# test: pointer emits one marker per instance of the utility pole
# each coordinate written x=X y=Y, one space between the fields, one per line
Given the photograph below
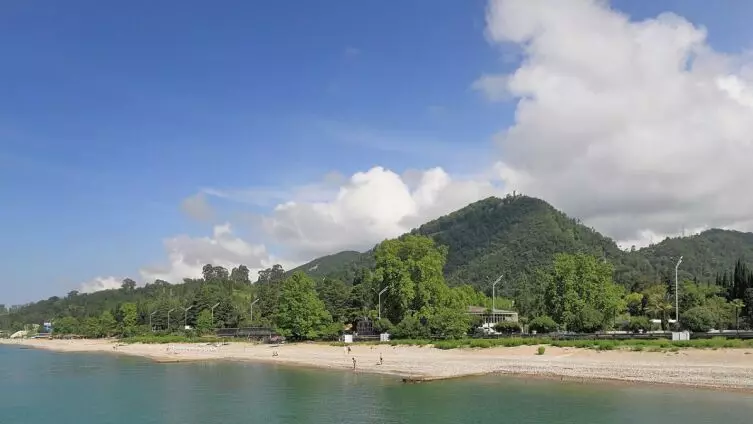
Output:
x=168 y=318
x=380 y=300
x=185 y=319
x=252 y=308
x=494 y=293
x=151 y=327
x=212 y=309
x=677 y=310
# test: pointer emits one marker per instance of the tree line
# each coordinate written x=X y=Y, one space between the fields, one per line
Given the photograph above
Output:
x=404 y=292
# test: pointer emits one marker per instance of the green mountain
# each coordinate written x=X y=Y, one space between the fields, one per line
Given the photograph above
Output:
x=518 y=235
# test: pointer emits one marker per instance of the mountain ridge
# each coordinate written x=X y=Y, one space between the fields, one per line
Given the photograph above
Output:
x=516 y=235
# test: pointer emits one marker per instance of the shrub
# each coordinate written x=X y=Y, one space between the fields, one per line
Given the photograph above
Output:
x=411 y=328
x=698 y=319
x=507 y=327
x=540 y=350
x=383 y=325
x=639 y=323
x=543 y=324
x=588 y=320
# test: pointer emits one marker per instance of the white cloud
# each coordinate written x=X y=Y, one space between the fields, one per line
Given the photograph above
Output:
x=635 y=127
x=354 y=213
x=372 y=206
x=493 y=86
x=196 y=207
x=187 y=255
x=100 y=283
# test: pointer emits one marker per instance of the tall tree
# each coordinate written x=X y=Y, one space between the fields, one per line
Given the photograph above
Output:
x=580 y=293
x=410 y=269
x=239 y=275
x=301 y=314
x=128 y=285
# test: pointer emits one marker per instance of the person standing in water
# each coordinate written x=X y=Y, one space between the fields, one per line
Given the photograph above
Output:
x=354 y=363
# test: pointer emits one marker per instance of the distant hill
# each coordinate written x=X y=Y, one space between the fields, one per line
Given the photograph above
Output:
x=341 y=266
x=517 y=235
x=704 y=255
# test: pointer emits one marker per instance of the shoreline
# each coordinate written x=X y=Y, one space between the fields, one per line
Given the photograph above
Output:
x=722 y=369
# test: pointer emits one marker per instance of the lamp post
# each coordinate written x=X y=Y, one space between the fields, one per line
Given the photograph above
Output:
x=185 y=317
x=252 y=308
x=212 y=309
x=677 y=310
x=380 y=300
x=168 y=318
x=494 y=294
x=151 y=327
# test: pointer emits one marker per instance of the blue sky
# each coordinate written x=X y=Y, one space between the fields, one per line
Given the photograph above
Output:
x=112 y=114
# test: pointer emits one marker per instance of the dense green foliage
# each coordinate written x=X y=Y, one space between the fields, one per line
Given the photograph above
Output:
x=518 y=236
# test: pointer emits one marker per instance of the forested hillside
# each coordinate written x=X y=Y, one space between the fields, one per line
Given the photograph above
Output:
x=518 y=235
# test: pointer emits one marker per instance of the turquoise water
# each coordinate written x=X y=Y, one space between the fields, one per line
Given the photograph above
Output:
x=39 y=387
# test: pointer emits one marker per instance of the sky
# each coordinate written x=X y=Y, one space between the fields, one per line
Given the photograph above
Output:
x=145 y=139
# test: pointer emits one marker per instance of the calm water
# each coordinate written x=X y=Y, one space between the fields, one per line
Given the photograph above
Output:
x=38 y=387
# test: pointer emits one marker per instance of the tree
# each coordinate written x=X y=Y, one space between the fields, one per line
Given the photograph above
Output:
x=301 y=314
x=543 y=324
x=204 y=321
x=107 y=324
x=128 y=285
x=239 y=275
x=411 y=269
x=699 y=319
x=335 y=295
x=91 y=328
x=66 y=325
x=130 y=317
x=580 y=293
x=657 y=304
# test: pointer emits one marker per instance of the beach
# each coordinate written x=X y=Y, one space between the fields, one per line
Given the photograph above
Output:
x=730 y=369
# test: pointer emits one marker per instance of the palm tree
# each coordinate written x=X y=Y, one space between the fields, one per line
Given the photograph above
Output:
x=658 y=304
x=738 y=305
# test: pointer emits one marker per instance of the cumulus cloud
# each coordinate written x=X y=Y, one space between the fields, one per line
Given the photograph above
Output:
x=637 y=127
x=370 y=207
x=187 y=255
x=100 y=283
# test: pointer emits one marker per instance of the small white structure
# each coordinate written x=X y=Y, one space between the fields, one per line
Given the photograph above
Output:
x=348 y=338
x=384 y=337
x=680 y=335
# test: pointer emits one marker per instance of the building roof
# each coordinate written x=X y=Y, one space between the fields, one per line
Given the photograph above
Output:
x=484 y=310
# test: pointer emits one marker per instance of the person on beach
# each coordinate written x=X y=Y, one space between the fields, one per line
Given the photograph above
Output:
x=354 y=363
x=348 y=350
x=381 y=361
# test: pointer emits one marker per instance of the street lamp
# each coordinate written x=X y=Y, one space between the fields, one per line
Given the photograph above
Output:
x=380 y=300
x=151 y=327
x=185 y=318
x=168 y=318
x=252 y=309
x=677 y=311
x=212 y=309
x=494 y=295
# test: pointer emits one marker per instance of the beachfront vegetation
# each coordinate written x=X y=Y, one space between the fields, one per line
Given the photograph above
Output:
x=557 y=273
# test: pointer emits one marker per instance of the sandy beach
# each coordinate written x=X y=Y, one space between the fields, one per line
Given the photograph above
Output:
x=719 y=369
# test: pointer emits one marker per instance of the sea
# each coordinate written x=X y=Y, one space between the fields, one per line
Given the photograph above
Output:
x=42 y=387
